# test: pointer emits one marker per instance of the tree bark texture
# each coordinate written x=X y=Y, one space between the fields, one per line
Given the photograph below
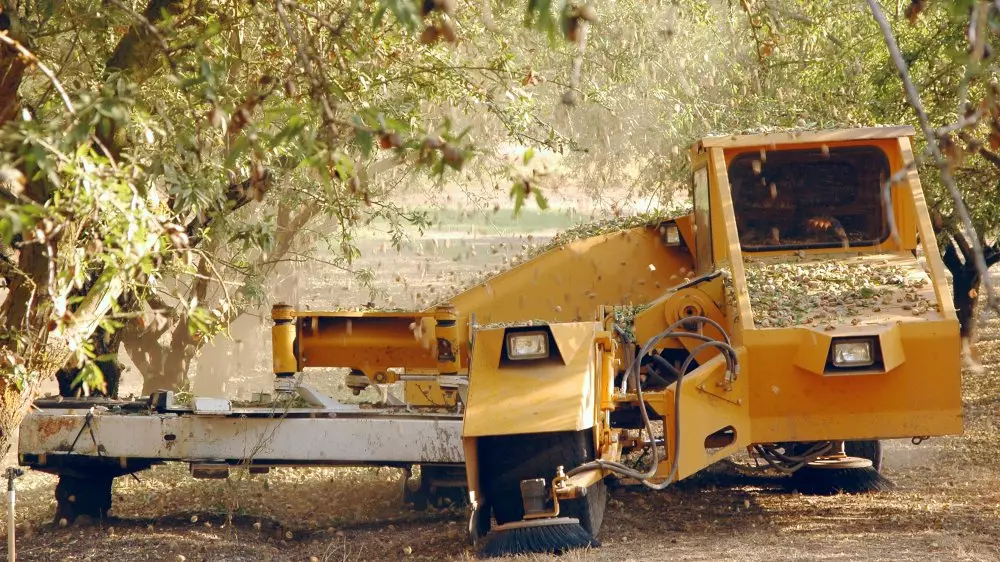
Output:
x=12 y=68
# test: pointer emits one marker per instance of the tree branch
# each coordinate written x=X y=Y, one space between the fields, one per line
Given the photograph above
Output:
x=939 y=159
x=951 y=260
x=976 y=147
x=993 y=254
x=31 y=58
x=334 y=29
x=237 y=196
x=133 y=49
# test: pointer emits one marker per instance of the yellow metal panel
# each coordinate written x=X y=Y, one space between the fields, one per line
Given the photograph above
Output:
x=427 y=394
x=515 y=397
x=813 y=349
x=685 y=225
x=571 y=338
x=801 y=137
x=708 y=404
x=927 y=237
x=729 y=253
x=701 y=300
x=370 y=344
x=565 y=284
x=469 y=446
x=283 y=348
x=921 y=396
x=891 y=344
x=570 y=283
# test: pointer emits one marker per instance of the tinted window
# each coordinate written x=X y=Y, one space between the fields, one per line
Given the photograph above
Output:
x=809 y=198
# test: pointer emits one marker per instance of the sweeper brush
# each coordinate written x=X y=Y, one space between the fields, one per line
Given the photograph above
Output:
x=541 y=536
x=839 y=476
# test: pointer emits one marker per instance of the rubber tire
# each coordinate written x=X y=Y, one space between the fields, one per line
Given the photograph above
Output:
x=77 y=496
x=505 y=460
x=871 y=450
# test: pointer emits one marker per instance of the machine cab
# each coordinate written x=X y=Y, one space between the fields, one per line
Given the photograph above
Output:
x=794 y=193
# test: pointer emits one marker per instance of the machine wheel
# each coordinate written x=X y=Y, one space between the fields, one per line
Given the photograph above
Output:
x=871 y=450
x=505 y=460
x=78 y=496
x=437 y=486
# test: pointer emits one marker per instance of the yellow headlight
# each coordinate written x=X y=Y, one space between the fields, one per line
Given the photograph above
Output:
x=527 y=345
x=853 y=353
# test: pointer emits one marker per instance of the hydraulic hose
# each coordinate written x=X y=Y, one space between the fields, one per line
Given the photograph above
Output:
x=665 y=365
x=669 y=332
x=633 y=372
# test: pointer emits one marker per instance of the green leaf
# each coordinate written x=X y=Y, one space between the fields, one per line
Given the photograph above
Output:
x=292 y=128
x=239 y=148
x=540 y=200
x=404 y=10
x=379 y=15
x=517 y=192
x=365 y=141
x=90 y=376
x=528 y=155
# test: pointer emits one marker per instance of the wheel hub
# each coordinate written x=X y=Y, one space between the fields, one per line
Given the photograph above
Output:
x=840 y=462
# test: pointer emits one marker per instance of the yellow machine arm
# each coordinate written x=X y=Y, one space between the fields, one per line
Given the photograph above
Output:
x=568 y=283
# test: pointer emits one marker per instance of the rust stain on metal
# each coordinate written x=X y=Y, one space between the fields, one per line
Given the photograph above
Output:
x=49 y=426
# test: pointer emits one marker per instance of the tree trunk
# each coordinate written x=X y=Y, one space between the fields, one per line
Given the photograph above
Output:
x=966 y=281
x=25 y=334
x=105 y=344
x=228 y=358
x=21 y=319
x=14 y=404
x=163 y=367
x=965 y=298
x=12 y=67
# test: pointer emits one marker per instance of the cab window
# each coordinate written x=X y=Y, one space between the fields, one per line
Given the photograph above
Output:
x=817 y=198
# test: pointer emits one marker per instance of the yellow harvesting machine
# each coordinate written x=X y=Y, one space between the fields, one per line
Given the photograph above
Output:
x=800 y=313
x=665 y=337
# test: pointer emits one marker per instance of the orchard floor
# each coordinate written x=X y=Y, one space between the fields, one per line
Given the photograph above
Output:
x=946 y=506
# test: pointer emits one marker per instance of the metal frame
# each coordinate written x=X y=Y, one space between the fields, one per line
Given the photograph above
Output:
x=258 y=436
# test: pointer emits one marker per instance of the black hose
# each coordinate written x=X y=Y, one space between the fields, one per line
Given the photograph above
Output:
x=730 y=360
x=623 y=333
x=731 y=364
x=665 y=365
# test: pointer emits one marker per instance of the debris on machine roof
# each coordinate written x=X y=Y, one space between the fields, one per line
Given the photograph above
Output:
x=837 y=290
x=518 y=324
x=625 y=318
x=609 y=226
x=579 y=232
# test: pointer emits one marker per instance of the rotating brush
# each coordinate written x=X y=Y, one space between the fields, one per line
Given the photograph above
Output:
x=543 y=536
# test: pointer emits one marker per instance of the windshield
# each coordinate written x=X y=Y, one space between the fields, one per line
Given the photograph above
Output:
x=819 y=198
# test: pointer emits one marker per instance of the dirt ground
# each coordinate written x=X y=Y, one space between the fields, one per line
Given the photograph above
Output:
x=946 y=505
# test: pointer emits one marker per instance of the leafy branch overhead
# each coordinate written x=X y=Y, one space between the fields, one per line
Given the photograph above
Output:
x=114 y=179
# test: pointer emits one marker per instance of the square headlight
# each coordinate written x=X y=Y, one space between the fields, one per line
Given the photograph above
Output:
x=671 y=234
x=853 y=353
x=527 y=345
